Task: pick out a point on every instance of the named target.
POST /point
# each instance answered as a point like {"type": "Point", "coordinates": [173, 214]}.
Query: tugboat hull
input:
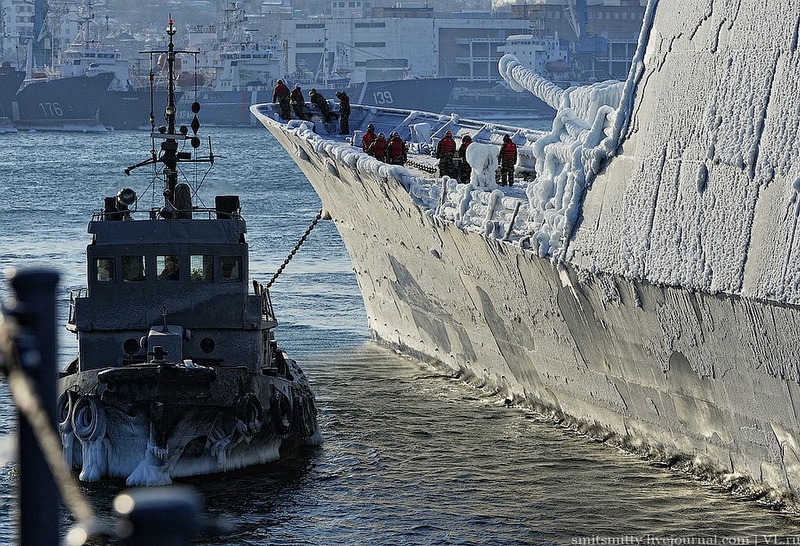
{"type": "Point", "coordinates": [149, 424]}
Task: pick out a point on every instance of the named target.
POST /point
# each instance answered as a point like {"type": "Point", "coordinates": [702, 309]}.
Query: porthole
{"type": "Point", "coordinates": [131, 346]}
{"type": "Point", "coordinates": [207, 345]}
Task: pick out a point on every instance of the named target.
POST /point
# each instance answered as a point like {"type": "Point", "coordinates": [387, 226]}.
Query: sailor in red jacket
{"type": "Point", "coordinates": [368, 139]}
{"type": "Point", "coordinates": [508, 159]}
{"type": "Point", "coordinates": [378, 148]}
{"type": "Point", "coordinates": [445, 151]}
{"type": "Point", "coordinates": [396, 150]}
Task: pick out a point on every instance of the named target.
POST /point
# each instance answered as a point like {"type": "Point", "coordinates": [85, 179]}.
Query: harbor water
{"type": "Point", "coordinates": [411, 455]}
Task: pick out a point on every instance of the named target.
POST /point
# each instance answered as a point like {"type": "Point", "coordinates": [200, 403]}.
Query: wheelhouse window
{"type": "Point", "coordinates": [231, 268]}
{"type": "Point", "coordinates": [105, 269]}
{"type": "Point", "coordinates": [133, 268]}
{"type": "Point", "coordinates": [202, 266]}
{"type": "Point", "coordinates": [167, 267]}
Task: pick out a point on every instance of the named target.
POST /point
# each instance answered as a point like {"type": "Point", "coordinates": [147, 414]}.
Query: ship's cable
{"type": "Point", "coordinates": [295, 249]}
{"type": "Point", "coordinates": [13, 348]}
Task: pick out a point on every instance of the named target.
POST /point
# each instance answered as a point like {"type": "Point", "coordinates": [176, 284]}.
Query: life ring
{"type": "Point", "coordinates": [88, 419]}
{"type": "Point", "coordinates": [280, 413]}
{"type": "Point", "coordinates": [64, 407]}
{"type": "Point", "coordinates": [249, 414]}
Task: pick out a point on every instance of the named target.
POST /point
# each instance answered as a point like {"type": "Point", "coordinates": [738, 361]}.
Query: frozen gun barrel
{"type": "Point", "coordinates": [521, 78]}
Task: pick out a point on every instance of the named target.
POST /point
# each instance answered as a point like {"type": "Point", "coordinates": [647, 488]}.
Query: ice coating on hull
{"type": "Point", "coordinates": [659, 306]}
{"type": "Point", "coordinates": [703, 193]}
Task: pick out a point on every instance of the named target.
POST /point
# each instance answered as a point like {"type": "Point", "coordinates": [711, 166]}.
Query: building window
{"type": "Point", "coordinates": [202, 267]}
{"type": "Point", "coordinates": [231, 268]}
{"type": "Point", "coordinates": [369, 44]}
{"type": "Point", "coordinates": [310, 25]}
{"type": "Point", "coordinates": [167, 267]}
{"type": "Point", "coordinates": [133, 268]}
{"type": "Point", "coordinates": [105, 269]}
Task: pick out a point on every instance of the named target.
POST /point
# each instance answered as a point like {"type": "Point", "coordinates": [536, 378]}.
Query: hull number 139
{"type": "Point", "coordinates": [383, 97]}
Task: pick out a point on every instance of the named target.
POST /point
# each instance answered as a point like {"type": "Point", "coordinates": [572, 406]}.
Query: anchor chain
{"type": "Point", "coordinates": [295, 249]}
{"type": "Point", "coordinates": [421, 166]}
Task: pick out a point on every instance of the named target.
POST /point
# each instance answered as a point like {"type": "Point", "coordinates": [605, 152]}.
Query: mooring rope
{"type": "Point", "coordinates": [295, 249]}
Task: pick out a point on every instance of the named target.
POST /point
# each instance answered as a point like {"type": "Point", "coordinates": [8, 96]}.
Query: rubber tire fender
{"type": "Point", "coordinates": [64, 410]}
{"type": "Point", "coordinates": [88, 419]}
{"type": "Point", "coordinates": [280, 413]}
{"type": "Point", "coordinates": [249, 412]}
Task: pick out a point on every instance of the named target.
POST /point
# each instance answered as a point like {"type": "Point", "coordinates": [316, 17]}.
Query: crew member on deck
{"type": "Point", "coordinates": [368, 139]}
{"type": "Point", "coordinates": [466, 169]}
{"type": "Point", "coordinates": [298, 102]}
{"type": "Point", "coordinates": [344, 112]}
{"type": "Point", "coordinates": [281, 96]}
{"type": "Point", "coordinates": [378, 148]}
{"type": "Point", "coordinates": [445, 150]}
{"type": "Point", "coordinates": [397, 151]}
{"type": "Point", "coordinates": [508, 159]}
{"type": "Point", "coordinates": [321, 103]}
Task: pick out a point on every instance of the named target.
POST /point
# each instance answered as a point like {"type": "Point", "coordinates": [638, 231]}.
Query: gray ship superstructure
{"type": "Point", "coordinates": [640, 281]}
{"type": "Point", "coordinates": [236, 71]}
{"type": "Point", "coordinates": [178, 372]}
{"type": "Point", "coordinates": [130, 99]}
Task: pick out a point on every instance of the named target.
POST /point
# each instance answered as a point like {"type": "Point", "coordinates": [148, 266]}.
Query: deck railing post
{"type": "Point", "coordinates": [34, 309]}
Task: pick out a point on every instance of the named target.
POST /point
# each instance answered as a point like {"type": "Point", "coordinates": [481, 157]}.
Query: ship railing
{"type": "Point", "coordinates": [266, 302]}
{"type": "Point", "coordinates": [196, 213]}
{"type": "Point", "coordinates": [74, 295]}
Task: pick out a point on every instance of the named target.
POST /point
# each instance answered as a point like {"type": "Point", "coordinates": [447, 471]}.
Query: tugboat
{"type": "Point", "coordinates": [178, 372]}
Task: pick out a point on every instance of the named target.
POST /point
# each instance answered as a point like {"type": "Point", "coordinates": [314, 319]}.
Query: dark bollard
{"type": "Point", "coordinates": [33, 307]}
{"type": "Point", "coordinates": [159, 515]}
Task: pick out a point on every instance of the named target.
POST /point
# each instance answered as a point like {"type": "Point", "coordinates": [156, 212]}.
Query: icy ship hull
{"type": "Point", "coordinates": [687, 377]}
{"type": "Point", "coordinates": [649, 292]}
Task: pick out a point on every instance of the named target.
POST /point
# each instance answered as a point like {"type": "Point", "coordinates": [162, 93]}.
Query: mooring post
{"type": "Point", "coordinates": [34, 308]}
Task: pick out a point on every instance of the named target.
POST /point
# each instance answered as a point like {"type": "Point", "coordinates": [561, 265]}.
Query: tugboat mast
{"type": "Point", "coordinates": [169, 147]}
{"type": "Point", "coordinates": [170, 156]}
